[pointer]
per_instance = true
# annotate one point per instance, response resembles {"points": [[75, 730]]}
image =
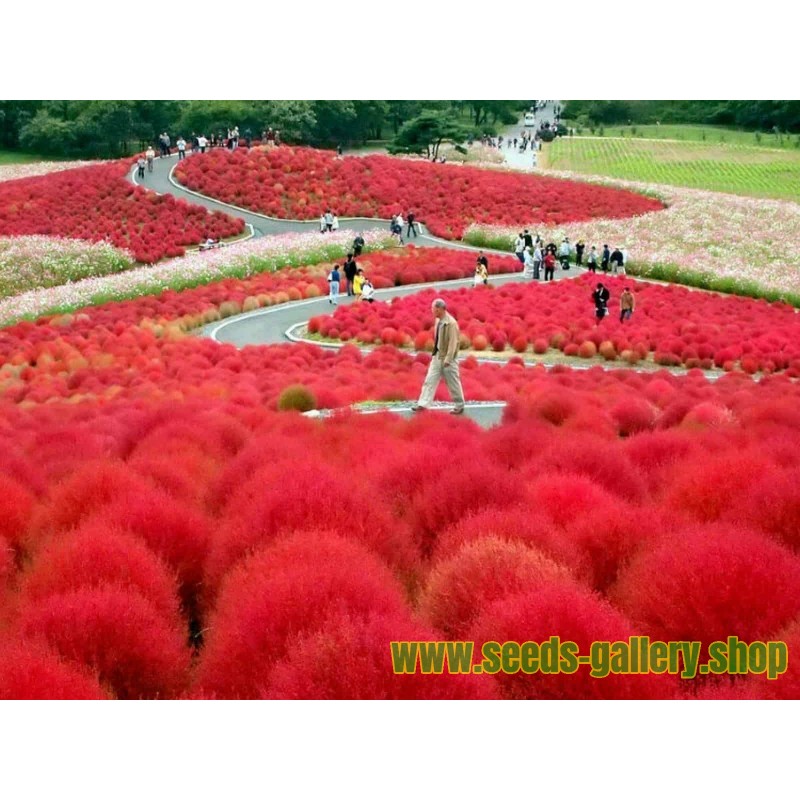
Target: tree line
{"points": [[113, 128], [754, 115]]}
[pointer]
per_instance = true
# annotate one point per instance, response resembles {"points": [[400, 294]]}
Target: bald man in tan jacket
{"points": [[444, 363]]}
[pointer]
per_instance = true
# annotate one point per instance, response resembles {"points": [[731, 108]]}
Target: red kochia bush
{"points": [[97, 203], [573, 614], [97, 555], [710, 583], [94, 485], [350, 659], [281, 591], [476, 484], [311, 497], [30, 671], [16, 505], [787, 686], [301, 183], [179, 534], [479, 573], [117, 633], [705, 487]]}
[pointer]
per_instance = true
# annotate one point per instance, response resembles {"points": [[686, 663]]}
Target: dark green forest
{"points": [[751, 115], [111, 128], [108, 128]]}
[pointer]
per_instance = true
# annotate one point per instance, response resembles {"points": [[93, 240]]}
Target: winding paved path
{"points": [[270, 325]]}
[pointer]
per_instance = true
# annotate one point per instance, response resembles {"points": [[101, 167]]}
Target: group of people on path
{"points": [[328, 222], [396, 226], [534, 255], [200, 143], [358, 284]]}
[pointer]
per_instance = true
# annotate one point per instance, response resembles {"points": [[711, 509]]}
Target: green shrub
{"points": [[297, 398]]}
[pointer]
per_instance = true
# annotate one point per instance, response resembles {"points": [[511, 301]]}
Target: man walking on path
{"points": [[606, 258], [150, 154], [181, 145], [444, 363], [412, 228]]}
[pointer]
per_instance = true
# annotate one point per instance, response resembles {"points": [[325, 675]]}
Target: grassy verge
{"points": [[18, 157], [720, 167]]}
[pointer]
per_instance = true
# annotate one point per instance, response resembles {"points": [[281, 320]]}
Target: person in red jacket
{"points": [[549, 266]]}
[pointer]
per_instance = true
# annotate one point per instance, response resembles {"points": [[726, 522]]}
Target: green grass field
{"points": [[16, 157], [713, 134], [734, 168]]}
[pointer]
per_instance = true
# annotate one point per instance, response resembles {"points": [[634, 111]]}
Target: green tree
{"points": [[424, 134]]}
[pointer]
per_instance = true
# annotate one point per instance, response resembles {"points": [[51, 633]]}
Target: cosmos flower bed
{"points": [[97, 203], [672, 325], [155, 549], [301, 183], [32, 262], [738, 243], [240, 259], [13, 172]]}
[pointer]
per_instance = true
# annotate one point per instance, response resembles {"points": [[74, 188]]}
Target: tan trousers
{"points": [[436, 371]]}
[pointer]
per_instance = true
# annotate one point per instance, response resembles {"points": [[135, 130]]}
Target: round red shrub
{"points": [[29, 671], [283, 590], [119, 634], [350, 659], [574, 615], [482, 571], [707, 584]]}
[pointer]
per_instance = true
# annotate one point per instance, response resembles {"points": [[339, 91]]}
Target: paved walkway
{"points": [[270, 325]]}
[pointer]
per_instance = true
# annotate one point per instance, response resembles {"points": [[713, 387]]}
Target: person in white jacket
{"points": [[519, 248], [564, 252], [528, 271]]}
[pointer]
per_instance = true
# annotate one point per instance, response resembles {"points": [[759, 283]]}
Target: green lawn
{"points": [[16, 157], [734, 168], [713, 134]]}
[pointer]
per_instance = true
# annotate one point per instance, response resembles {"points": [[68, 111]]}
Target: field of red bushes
{"points": [[165, 532], [97, 203], [302, 183], [673, 325], [153, 548]]}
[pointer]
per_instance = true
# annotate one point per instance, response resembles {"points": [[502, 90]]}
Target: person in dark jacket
{"points": [[601, 296], [616, 259], [579, 248], [606, 258], [526, 235], [350, 270], [358, 245], [412, 228]]}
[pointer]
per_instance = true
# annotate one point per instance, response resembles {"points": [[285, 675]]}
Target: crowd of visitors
{"points": [[532, 253]]}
